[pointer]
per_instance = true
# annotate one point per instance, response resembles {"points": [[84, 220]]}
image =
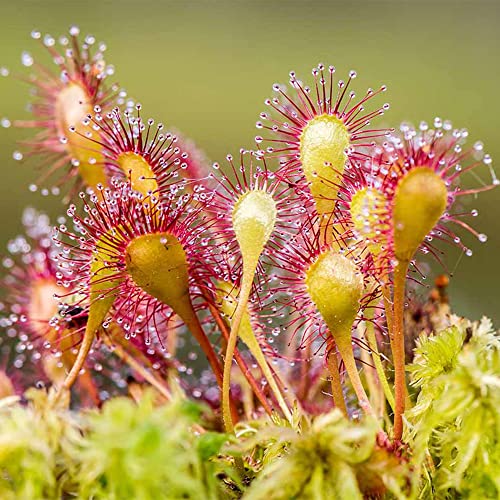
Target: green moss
{"points": [[123, 451], [143, 451], [328, 458], [456, 421]]}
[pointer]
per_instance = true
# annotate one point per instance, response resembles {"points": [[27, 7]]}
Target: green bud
{"points": [[335, 285], [323, 143], [419, 202]]}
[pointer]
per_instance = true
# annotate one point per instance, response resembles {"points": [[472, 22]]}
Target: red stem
{"points": [[398, 347]]}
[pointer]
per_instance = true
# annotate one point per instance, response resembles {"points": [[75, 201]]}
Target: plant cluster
{"points": [[276, 289]]}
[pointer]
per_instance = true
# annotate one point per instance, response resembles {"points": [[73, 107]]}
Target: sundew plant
{"points": [[252, 328]]}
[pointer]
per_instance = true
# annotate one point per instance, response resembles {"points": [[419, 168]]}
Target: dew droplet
{"points": [[27, 59], [48, 41]]}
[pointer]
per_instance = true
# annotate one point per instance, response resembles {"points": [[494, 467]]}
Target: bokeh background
{"points": [[206, 68]]}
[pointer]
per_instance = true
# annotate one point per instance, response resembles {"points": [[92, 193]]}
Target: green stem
{"points": [[254, 347], [335, 382], [88, 339], [246, 287], [241, 309], [398, 347], [241, 362], [344, 347], [373, 384], [193, 323], [372, 344]]}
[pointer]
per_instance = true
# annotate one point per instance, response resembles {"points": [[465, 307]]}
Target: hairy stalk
{"points": [[398, 347], [335, 382]]}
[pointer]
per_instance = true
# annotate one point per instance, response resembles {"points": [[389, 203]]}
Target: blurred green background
{"points": [[206, 67]]}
